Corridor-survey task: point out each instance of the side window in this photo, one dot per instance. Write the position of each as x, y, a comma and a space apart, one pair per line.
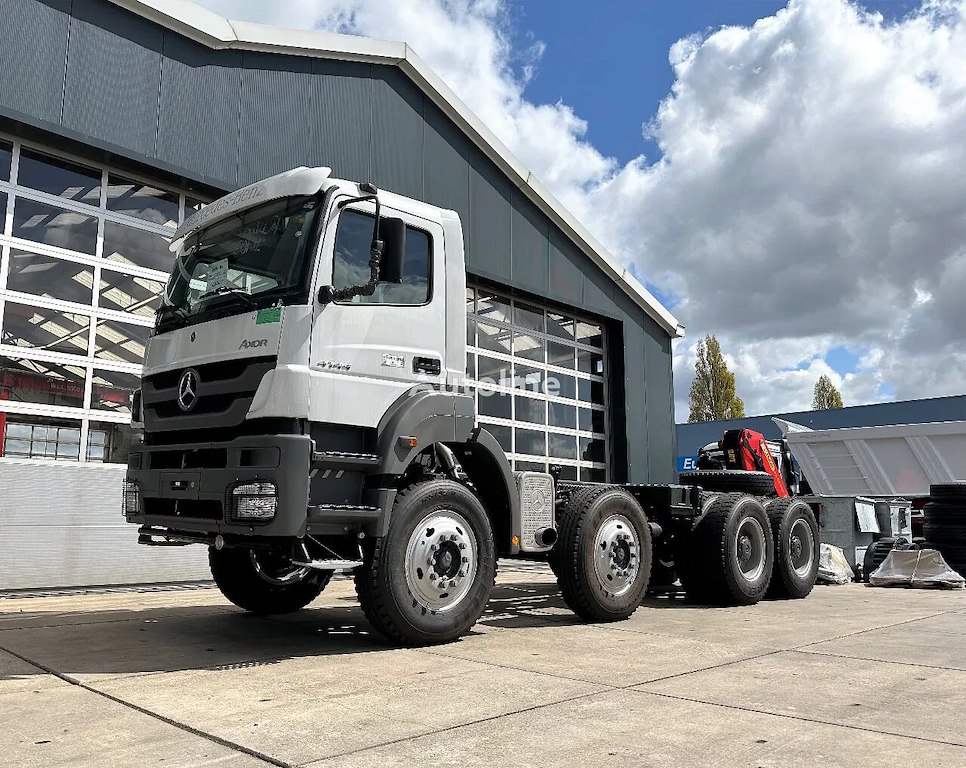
352, 262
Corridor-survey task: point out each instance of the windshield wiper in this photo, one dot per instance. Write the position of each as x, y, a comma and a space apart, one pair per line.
233, 290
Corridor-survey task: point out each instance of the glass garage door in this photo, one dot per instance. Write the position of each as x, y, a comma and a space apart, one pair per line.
539, 378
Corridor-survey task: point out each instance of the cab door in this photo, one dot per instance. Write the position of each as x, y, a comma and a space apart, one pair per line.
368, 351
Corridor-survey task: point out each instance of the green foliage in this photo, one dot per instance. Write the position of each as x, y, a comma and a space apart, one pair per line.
826, 395
713, 389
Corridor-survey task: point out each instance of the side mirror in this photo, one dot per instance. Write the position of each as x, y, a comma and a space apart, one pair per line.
393, 234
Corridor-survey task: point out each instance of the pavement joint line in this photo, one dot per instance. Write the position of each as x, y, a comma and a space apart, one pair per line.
457, 726
156, 715
880, 661
870, 629
511, 668
800, 718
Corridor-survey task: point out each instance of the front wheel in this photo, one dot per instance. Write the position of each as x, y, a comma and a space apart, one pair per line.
265, 583
428, 580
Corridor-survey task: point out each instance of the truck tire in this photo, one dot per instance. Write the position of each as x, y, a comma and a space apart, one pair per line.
263, 583
948, 492
731, 480
797, 548
730, 555
439, 534
944, 513
603, 553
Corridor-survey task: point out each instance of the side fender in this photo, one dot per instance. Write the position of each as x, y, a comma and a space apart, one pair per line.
483, 460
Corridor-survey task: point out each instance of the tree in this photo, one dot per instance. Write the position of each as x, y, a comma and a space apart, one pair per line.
826, 395
713, 389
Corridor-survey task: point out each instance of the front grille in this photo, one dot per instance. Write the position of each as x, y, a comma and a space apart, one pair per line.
198, 509
202, 458
224, 393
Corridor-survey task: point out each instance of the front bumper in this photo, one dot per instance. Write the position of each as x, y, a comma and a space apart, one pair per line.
187, 487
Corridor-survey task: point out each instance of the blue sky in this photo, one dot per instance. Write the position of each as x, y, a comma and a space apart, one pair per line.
611, 65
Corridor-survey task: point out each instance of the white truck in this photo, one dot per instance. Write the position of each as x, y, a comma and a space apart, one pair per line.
304, 411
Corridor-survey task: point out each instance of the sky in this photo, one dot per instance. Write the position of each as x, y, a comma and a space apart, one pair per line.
788, 176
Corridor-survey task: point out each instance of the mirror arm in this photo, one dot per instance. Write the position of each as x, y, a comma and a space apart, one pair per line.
328, 293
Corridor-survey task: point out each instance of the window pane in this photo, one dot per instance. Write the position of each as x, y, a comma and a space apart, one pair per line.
492, 371
502, 435
112, 391
493, 338
495, 404
560, 325
593, 475
352, 246
568, 473
124, 293
470, 365
530, 466
59, 177
6, 151
530, 409
470, 300
120, 342
591, 391
492, 307
135, 246
135, 198
525, 377
470, 332
32, 381
589, 333
561, 355
50, 276
591, 421
590, 362
44, 223
592, 449
529, 347
529, 441
42, 437
117, 442
561, 385
562, 415
528, 317
562, 446
51, 329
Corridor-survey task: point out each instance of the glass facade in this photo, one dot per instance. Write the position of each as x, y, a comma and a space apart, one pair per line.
83, 260
539, 379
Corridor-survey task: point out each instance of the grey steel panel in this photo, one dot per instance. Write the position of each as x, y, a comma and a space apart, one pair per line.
566, 269
397, 134
659, 399
599, 290
488, 238
530, 242
33, 39
342, 116
446, 170
276, 129
635, 403
199, 108
61, 526
113, 76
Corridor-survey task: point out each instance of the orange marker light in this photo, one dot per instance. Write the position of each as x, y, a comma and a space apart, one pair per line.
515, 541
413, 442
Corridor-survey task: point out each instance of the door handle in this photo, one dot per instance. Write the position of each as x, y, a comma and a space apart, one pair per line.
430, 365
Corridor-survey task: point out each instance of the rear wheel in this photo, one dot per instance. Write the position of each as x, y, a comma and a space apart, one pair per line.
729, 557
797, 548
264, 583
429, 579
603, 554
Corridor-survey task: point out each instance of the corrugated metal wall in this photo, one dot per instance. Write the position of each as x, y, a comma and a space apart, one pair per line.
61, 526
98, 73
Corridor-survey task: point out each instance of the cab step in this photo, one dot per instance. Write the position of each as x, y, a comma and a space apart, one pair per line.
329, 565
319, 512
344, 460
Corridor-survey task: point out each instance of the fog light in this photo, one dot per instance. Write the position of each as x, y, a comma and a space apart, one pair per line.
254, 501
132, 500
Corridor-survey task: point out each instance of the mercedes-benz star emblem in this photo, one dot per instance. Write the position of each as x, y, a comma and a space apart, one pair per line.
188, 390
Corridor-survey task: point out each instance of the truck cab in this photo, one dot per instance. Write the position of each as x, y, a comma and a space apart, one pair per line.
304, 412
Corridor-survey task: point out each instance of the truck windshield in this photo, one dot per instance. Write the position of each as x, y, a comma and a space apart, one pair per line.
255, 258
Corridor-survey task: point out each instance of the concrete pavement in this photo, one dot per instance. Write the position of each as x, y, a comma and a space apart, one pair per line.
182, 678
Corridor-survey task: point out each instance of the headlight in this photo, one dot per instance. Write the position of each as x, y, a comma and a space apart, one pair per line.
132, 500
254, 501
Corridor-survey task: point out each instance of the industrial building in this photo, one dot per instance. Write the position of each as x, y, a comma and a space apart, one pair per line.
120, 117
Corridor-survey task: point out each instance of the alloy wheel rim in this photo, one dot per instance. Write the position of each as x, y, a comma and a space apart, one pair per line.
616, 555
441, 561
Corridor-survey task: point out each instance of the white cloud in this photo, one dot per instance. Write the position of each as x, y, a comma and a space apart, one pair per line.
811, 193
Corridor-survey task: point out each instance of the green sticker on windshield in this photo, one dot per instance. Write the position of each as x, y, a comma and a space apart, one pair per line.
270, 315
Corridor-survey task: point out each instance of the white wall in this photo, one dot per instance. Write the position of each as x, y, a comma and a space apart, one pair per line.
61, 525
